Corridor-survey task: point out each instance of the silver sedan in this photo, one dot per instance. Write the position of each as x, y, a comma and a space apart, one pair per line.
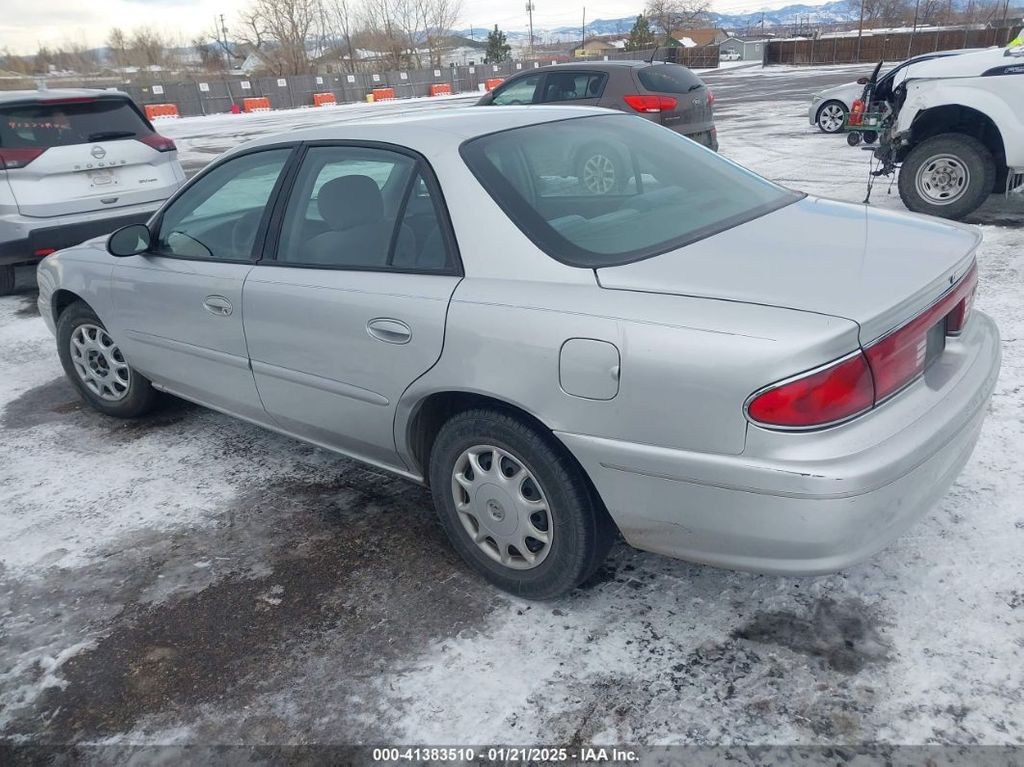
674, 358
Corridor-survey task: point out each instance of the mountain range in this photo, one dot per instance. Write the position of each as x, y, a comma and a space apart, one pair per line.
830, 12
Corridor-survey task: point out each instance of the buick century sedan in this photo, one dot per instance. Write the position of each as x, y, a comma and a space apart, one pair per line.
676, 360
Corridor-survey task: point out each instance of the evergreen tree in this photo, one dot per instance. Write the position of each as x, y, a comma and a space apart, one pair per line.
498, 49
640, 36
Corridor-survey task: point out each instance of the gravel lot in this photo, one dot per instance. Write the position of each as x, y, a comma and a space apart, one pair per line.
190, 578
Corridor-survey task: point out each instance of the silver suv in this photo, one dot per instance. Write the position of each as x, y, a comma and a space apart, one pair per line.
75, 164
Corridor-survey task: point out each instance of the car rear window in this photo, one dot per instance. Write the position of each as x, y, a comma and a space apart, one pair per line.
609, 190
668, 78
61, 123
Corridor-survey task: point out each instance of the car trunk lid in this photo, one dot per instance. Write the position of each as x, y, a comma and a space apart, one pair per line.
67, 156
875, 268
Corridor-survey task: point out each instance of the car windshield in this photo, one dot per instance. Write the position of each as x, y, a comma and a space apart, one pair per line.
608, 190
74, 121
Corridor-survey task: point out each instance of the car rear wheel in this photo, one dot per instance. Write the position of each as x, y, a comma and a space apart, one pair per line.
516, 507
949, 175
7, 277
93, 362
832, 117
600, 170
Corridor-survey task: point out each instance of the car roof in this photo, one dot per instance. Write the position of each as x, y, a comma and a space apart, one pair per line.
432, 130
598, 65
58, 94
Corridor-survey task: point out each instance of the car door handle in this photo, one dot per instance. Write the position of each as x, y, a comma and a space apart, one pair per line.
217, 305
389, 331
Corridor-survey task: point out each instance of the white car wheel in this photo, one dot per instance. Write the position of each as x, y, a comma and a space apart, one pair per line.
832, 117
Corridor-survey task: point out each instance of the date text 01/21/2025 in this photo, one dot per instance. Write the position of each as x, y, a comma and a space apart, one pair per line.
503, 754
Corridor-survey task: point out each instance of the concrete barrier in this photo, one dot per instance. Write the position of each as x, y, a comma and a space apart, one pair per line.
257, 104
324, 100
161, 111
441, 89
383, 94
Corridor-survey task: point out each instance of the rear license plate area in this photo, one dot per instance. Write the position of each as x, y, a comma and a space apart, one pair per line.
935, 342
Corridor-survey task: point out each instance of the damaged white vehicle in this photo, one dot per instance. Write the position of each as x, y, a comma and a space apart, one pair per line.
956, 131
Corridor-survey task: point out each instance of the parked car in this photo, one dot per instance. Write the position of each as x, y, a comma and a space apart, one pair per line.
75, 164
956, 132
830, 108
667, 94
680, 361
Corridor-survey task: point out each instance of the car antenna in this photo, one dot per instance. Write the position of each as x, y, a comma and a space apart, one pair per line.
653, 54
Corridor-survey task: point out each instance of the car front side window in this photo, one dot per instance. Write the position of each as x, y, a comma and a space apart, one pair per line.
517, 92
218, 216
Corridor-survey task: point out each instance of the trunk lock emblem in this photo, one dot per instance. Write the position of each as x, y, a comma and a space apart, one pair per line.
98, 152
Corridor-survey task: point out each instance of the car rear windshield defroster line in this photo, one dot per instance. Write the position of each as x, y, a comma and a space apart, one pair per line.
599, 191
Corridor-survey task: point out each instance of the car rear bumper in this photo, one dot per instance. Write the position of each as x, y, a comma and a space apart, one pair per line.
823, 500
22, 237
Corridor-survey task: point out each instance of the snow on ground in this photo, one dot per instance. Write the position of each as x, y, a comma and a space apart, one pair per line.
191, 578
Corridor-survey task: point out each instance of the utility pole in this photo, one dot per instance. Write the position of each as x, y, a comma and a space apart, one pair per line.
583, 29
910, 44
860, 30
529, 10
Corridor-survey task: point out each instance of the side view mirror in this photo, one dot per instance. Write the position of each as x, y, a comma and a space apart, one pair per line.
129, 240
862, 81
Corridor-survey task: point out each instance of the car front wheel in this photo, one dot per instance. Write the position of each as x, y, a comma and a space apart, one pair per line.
949, 175
516, 507
93, 362
832, 117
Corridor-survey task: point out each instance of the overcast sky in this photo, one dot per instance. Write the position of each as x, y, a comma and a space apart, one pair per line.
25, 24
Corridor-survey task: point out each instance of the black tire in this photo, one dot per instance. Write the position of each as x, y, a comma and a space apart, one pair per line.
833, 126
581, 531
963, 149
853, 138
7, 277
601, 170
139, 397
869, 136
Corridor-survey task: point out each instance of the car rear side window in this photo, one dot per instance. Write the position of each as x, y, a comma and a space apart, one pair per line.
63, 123
603, 191
573, 86
668, 78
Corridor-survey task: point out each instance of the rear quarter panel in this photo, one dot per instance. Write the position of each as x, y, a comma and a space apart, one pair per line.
687, 364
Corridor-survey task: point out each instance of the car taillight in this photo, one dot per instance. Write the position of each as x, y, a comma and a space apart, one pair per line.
158, 142
899, 357
644, 103
18, 158
827, 395
858, 382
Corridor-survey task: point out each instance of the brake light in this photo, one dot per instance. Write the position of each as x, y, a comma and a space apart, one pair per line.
898, 358
650, 104
858, 382
158, 142
18, 158
827, 395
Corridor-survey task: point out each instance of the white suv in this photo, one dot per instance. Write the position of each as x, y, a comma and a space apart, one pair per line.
75, 164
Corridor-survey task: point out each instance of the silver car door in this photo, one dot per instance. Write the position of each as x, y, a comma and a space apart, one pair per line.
177, 309
352, 307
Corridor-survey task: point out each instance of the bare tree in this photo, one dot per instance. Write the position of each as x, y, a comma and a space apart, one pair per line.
440, 16
670, 15
883, 12
117, 41
283, 30
148, 47
340, 22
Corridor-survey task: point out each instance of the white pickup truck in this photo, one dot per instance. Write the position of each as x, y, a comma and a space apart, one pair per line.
956, 132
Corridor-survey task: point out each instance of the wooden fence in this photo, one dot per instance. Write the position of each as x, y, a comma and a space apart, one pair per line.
881, 47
